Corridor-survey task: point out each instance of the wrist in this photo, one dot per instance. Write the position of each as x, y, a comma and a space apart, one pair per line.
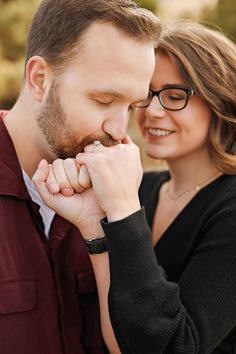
122, 212
91, 231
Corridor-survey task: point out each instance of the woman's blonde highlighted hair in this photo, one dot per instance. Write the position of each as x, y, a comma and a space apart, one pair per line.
206, 60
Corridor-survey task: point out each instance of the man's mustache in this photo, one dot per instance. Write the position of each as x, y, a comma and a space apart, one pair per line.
104, 140
75, 147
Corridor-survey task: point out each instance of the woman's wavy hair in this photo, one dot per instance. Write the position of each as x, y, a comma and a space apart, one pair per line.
206, 60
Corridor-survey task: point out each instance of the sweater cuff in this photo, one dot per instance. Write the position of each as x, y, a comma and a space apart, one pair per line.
133, 263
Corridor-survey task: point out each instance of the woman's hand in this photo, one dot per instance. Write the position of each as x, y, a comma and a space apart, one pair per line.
116, 174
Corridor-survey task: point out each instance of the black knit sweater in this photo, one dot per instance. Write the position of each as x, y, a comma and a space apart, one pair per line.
181, 296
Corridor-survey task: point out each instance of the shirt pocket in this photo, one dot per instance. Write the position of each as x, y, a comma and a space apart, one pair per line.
17, 295
18, 320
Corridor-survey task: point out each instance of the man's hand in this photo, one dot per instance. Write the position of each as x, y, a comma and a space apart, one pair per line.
59, 187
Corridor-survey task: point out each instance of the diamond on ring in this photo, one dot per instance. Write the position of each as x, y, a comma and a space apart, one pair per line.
96, 144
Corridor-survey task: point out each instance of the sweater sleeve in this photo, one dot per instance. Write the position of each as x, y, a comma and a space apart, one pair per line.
151, 315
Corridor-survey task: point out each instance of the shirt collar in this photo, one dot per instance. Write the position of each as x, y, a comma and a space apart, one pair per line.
11, 178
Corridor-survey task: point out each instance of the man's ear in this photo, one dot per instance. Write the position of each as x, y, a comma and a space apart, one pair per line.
38, 77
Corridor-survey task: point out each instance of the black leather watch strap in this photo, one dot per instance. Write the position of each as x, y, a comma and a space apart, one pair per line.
97, 245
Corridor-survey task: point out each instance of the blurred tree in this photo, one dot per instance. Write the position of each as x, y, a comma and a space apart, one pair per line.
148, 4
224, 16
15, 16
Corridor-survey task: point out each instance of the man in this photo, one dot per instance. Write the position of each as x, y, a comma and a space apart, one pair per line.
88, 63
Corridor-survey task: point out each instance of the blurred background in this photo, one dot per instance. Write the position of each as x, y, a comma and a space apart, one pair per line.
15, 17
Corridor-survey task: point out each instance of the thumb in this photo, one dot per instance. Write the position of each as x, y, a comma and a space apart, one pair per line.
41, 173
39, 179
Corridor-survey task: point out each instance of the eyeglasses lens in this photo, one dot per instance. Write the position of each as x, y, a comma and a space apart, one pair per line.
173, 99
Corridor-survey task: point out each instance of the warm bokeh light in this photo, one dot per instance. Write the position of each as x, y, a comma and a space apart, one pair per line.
175, 8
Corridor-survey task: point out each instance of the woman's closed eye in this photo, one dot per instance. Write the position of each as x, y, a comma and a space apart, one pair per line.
176, 97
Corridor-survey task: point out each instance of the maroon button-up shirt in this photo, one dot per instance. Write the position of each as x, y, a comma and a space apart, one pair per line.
48, 298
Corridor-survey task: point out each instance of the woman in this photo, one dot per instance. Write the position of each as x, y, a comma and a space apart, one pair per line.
173, 289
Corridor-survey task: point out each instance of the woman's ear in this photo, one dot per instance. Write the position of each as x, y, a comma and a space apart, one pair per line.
38, 77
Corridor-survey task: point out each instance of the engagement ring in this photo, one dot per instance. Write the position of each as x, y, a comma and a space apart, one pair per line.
96, 144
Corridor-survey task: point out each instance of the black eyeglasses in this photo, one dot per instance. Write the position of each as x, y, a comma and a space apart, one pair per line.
171, 98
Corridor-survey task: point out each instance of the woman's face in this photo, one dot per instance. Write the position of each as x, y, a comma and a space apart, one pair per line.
171, 135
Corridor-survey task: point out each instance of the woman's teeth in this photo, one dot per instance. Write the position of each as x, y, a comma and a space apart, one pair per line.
159, 132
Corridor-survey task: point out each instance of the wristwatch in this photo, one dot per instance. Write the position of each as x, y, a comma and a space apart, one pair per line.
96, 245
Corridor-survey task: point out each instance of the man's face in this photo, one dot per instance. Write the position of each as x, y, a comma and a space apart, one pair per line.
92, 98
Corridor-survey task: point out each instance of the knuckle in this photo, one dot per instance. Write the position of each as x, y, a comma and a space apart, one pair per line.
69, 163
57, 162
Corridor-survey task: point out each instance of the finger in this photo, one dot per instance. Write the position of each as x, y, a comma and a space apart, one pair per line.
41, 173
61, 178
94, 147
127, 140
51, 182
89, 148
84, 178
72, 172
39, 180
84, 158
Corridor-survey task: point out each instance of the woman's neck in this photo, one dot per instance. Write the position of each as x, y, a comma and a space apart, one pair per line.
188, 173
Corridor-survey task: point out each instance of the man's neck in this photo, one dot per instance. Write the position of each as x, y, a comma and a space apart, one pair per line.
26, 136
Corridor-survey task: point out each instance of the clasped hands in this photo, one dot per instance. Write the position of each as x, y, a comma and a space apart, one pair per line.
98, 182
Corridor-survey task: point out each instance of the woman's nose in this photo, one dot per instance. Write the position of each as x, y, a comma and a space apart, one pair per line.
155, 109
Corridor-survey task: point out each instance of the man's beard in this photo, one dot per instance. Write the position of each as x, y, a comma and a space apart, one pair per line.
60, 135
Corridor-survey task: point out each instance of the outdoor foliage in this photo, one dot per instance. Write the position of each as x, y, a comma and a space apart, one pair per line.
148, 4
15, 17
223, 16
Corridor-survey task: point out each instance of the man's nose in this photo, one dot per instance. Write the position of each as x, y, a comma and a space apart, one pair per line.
116, 126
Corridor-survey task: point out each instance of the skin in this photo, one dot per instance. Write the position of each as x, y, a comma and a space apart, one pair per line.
84, 210
115, 171
187, 129
58, 114
184, 147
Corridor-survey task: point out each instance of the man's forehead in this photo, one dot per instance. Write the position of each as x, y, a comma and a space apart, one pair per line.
99, 29
107, 38
121, 68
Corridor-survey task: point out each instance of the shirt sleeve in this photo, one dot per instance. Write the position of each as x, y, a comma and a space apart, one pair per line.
150, 314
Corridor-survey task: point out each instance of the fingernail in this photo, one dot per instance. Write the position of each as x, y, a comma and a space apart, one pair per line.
53, 187
67, 192
42, 162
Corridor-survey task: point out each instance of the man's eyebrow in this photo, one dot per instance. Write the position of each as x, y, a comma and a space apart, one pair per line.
110, 93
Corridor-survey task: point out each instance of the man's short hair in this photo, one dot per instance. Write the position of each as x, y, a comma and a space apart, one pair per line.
58, 26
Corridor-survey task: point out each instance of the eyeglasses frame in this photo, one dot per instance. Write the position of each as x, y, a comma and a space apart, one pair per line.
153, 93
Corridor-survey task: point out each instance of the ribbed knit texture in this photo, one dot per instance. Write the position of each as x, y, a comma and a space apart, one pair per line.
181, 296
